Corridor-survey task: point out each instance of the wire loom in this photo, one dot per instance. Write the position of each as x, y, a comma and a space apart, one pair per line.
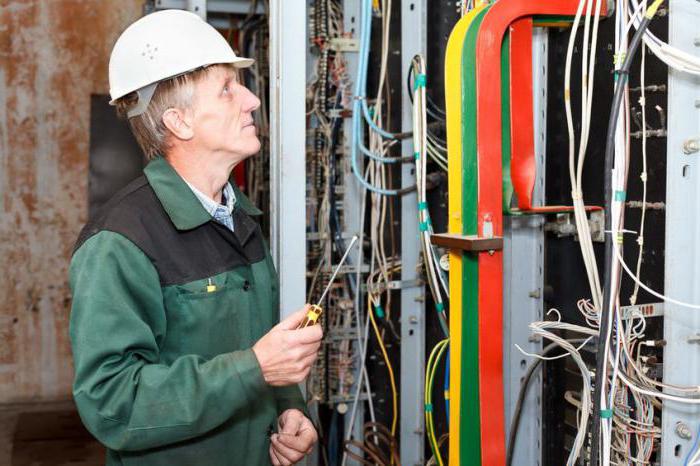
379, 445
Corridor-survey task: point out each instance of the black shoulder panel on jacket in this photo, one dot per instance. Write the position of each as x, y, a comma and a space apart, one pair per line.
179, 256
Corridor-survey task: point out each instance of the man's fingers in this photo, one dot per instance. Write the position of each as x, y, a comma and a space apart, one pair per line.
308, 431
298, 443
292, 322
307, 335
309, 359
275, 450
290, 453
291, 421
273, 457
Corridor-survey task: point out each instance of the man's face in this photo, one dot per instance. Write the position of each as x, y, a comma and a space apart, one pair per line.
223, 115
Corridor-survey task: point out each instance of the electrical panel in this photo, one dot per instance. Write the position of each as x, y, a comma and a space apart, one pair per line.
522, 178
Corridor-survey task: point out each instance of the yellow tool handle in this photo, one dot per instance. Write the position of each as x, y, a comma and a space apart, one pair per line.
311, 317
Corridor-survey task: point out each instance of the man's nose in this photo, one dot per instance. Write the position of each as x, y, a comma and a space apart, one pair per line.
250, 101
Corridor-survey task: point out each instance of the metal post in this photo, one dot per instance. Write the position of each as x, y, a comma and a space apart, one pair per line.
413, 41
287, 149
523, 262
352, 194
682, 268
198, 7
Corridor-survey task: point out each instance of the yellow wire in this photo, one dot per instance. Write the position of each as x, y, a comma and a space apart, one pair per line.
394, 400
427, 400
433, 362
430, 370
652, 9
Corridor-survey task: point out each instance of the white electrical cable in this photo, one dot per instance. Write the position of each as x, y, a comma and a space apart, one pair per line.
542, 329
580, 216
362, 337
643, 176
671, 56
436, 281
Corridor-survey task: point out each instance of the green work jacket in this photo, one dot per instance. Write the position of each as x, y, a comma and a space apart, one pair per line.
167, 304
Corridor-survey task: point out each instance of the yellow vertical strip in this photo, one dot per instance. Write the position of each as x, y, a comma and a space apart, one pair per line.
453, 109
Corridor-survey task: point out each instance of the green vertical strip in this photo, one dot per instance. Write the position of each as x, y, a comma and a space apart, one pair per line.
470, 420
505, 126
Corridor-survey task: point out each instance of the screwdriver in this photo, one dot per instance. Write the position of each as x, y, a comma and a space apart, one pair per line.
316, 310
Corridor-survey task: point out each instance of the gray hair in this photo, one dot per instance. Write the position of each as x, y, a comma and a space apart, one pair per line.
148, 127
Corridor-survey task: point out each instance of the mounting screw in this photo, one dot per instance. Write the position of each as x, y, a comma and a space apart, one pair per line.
683, 431
445, 262
691, 146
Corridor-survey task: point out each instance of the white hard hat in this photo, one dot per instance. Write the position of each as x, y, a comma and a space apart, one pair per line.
162, 45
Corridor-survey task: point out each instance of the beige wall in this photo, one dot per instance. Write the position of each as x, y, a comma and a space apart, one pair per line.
53, 55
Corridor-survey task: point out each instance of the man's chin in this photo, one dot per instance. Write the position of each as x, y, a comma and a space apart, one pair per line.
255, 148
251, 150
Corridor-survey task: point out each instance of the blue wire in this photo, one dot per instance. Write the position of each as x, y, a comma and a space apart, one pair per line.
372, 124
376, 157
360, 86
695, 447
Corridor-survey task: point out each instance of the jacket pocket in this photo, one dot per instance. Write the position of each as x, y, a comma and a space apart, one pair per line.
208, 323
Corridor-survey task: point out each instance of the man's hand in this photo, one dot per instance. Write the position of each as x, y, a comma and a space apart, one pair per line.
296, 437
286, 354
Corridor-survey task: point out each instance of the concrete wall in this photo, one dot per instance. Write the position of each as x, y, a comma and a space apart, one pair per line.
53, 55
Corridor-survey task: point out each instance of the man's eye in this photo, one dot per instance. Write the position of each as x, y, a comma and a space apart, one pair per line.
226, 90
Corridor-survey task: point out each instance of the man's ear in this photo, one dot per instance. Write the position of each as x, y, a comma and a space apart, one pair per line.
179, 122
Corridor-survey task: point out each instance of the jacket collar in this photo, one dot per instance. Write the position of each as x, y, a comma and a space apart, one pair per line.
178, 200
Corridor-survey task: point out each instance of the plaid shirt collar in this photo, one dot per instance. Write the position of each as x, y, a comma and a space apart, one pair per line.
223, 213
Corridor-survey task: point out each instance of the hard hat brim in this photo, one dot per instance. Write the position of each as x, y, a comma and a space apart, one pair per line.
238, 62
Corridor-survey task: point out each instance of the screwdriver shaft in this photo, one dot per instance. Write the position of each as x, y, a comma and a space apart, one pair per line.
337, 268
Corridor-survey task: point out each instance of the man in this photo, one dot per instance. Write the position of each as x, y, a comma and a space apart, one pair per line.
178, 359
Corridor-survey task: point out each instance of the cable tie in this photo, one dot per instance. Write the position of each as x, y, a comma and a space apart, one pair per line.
439, 307
420, 82
424, 225
428, 407
643, 176
620, 238
379, 310
606, 413
416, 155
446, 394
576, 195
422, 205
620, 196
619, 57
640, 240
